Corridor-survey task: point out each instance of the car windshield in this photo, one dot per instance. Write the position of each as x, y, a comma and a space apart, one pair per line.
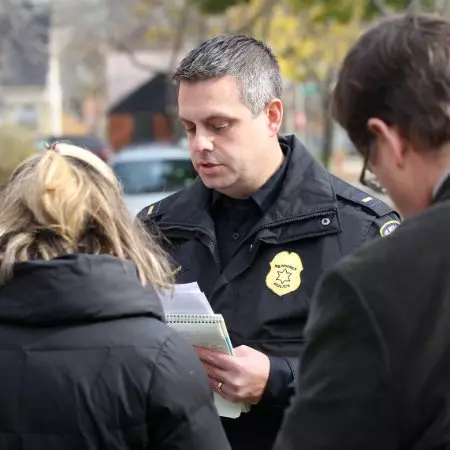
89, 142
147, 176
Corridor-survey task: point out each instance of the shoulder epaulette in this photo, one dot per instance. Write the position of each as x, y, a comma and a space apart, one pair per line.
156, 209
360, 198
153, 209
149, 212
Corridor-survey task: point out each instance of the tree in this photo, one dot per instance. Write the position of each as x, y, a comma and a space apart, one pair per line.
341, 11
82, 33
16, 144
311, 37
309, 48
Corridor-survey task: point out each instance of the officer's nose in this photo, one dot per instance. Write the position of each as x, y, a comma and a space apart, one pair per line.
201, 143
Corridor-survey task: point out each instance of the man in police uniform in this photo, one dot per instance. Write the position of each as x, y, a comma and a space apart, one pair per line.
259, 227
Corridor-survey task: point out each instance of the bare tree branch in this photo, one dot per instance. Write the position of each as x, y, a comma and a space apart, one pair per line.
181, 29
381, 7
268, 5
131, 54
413, 6
267, 22
25, 29
126, 41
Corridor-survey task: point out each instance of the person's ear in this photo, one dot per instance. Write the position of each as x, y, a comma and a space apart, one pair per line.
388, 138
274, 112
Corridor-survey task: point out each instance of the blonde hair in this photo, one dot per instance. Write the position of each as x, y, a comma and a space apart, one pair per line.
64, 201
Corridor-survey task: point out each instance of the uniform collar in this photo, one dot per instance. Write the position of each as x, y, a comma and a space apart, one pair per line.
306, 189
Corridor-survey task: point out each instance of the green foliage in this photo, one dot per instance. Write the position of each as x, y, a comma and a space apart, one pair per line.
218, 6
335, 10
16, 144
342, 10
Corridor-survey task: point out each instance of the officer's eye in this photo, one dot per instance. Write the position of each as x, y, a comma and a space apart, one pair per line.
220, 128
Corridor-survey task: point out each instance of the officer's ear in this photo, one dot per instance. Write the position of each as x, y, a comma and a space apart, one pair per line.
274, 113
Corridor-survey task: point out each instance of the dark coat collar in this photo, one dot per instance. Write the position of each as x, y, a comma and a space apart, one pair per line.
443, 192
76, 288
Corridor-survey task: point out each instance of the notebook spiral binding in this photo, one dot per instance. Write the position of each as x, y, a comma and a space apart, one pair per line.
193, 318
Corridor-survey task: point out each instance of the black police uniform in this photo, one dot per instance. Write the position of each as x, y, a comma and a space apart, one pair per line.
304, 223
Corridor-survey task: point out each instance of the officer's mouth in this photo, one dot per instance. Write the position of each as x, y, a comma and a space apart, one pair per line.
208, 164
208, 167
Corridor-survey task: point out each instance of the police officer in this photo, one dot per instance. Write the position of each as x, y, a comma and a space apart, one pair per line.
259, 227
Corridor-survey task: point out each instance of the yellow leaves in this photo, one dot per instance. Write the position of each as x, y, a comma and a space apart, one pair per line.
305, 46
313, 47
302, 33
140, 10
238, 16
315, 11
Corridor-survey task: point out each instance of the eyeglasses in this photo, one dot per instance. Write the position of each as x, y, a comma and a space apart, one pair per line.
372, 181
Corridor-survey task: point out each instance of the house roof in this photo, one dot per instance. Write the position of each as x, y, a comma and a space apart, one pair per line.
125, 74
153, 97
24, 51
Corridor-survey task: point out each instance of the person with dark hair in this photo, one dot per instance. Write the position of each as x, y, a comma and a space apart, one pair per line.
376, 368
86, 359
258, 228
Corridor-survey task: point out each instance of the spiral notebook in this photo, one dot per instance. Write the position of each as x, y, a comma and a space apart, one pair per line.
209, 331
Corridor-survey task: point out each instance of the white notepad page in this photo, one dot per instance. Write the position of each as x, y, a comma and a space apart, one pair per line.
208, 331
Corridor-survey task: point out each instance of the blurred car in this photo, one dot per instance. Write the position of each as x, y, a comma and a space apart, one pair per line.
86, 141
150, 172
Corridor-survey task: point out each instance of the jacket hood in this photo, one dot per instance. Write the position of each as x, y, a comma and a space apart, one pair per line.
76, 288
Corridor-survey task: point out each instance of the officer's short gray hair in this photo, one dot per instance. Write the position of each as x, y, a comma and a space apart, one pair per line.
249, 61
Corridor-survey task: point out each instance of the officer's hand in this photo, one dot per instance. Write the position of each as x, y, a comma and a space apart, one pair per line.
239, 378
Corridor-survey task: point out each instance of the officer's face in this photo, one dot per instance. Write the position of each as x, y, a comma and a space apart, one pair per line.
229, 146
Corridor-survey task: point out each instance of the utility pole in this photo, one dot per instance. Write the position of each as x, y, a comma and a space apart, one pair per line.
54, 89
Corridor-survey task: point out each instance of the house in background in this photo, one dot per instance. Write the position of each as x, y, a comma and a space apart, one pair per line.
144, 114
142, 97
23, 72
24, 75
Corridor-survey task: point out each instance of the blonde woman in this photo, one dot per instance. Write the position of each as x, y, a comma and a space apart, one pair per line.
86, 361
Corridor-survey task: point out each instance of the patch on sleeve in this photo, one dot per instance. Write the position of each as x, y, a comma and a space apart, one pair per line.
388, 227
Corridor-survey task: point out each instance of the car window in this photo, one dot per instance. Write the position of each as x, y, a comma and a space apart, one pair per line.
143, 177
90, 143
